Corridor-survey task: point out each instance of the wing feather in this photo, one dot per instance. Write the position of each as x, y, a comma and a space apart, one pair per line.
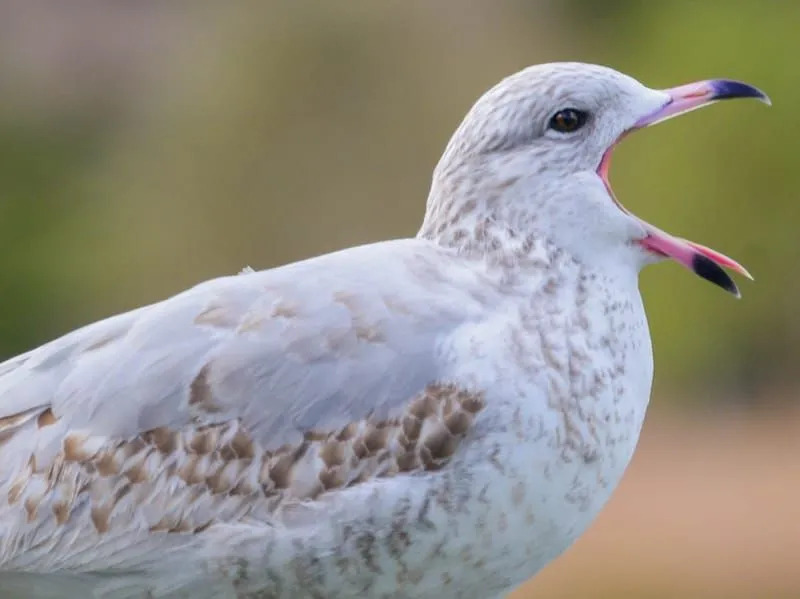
315, 344
228, 400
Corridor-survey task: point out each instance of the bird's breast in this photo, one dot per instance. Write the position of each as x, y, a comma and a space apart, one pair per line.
567, 381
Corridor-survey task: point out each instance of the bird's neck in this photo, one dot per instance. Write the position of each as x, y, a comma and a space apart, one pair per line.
467, 213
503, 220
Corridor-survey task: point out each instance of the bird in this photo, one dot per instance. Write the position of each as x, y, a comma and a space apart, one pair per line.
438, 415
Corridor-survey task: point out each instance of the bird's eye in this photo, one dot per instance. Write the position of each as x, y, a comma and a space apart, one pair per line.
568, 120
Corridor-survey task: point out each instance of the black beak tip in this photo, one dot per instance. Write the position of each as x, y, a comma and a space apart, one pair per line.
725, 89
713, 272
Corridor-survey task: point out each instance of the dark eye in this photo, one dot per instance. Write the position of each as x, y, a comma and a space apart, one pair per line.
568, 120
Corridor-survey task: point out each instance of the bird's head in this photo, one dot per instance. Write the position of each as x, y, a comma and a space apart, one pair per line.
532, 157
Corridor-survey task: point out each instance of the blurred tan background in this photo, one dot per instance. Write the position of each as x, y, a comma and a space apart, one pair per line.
145, 146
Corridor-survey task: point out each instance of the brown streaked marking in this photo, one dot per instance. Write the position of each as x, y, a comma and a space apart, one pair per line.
424, 406
507, 182
243, 487
242, 445
14, 420
407, 462
163, 525
21, 481
216, 315
203, 527
364, 331
15, 491
122, 492
105, 340
529, 515
137, 472
250, 323
189, 471
332, 453
226, 452
473, 403
427, 460
518, 493
100, 515
74, 448
347, 299
449, 405
376, 439
107, 464
331, 478
313, 435
412, 427
404, 442
280, 472
218, 482
348, 432
183, 525
369, 334
360, 450
46, 418
204, 441
200, 394
283, 309
468, 206
459, 235
440, 443
133, 447
339, 340
164, 439
61, 510
458, 422
396, 306
31, 507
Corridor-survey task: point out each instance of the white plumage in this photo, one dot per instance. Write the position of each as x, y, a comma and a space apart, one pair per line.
440, 415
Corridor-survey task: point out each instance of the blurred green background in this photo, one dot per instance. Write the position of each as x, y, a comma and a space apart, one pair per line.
146, 146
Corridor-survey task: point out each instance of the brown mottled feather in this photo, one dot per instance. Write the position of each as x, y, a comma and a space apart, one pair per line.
224, 460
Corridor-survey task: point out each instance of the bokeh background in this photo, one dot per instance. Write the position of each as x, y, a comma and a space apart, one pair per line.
146, 146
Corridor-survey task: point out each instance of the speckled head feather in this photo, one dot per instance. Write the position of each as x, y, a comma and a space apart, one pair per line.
506, 167
507, 175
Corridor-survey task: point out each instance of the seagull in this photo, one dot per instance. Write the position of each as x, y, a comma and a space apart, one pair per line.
434, 416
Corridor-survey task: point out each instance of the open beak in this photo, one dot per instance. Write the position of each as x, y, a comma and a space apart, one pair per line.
703, 261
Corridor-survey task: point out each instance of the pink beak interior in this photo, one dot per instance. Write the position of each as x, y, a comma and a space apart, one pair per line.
700, 259
703, 261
